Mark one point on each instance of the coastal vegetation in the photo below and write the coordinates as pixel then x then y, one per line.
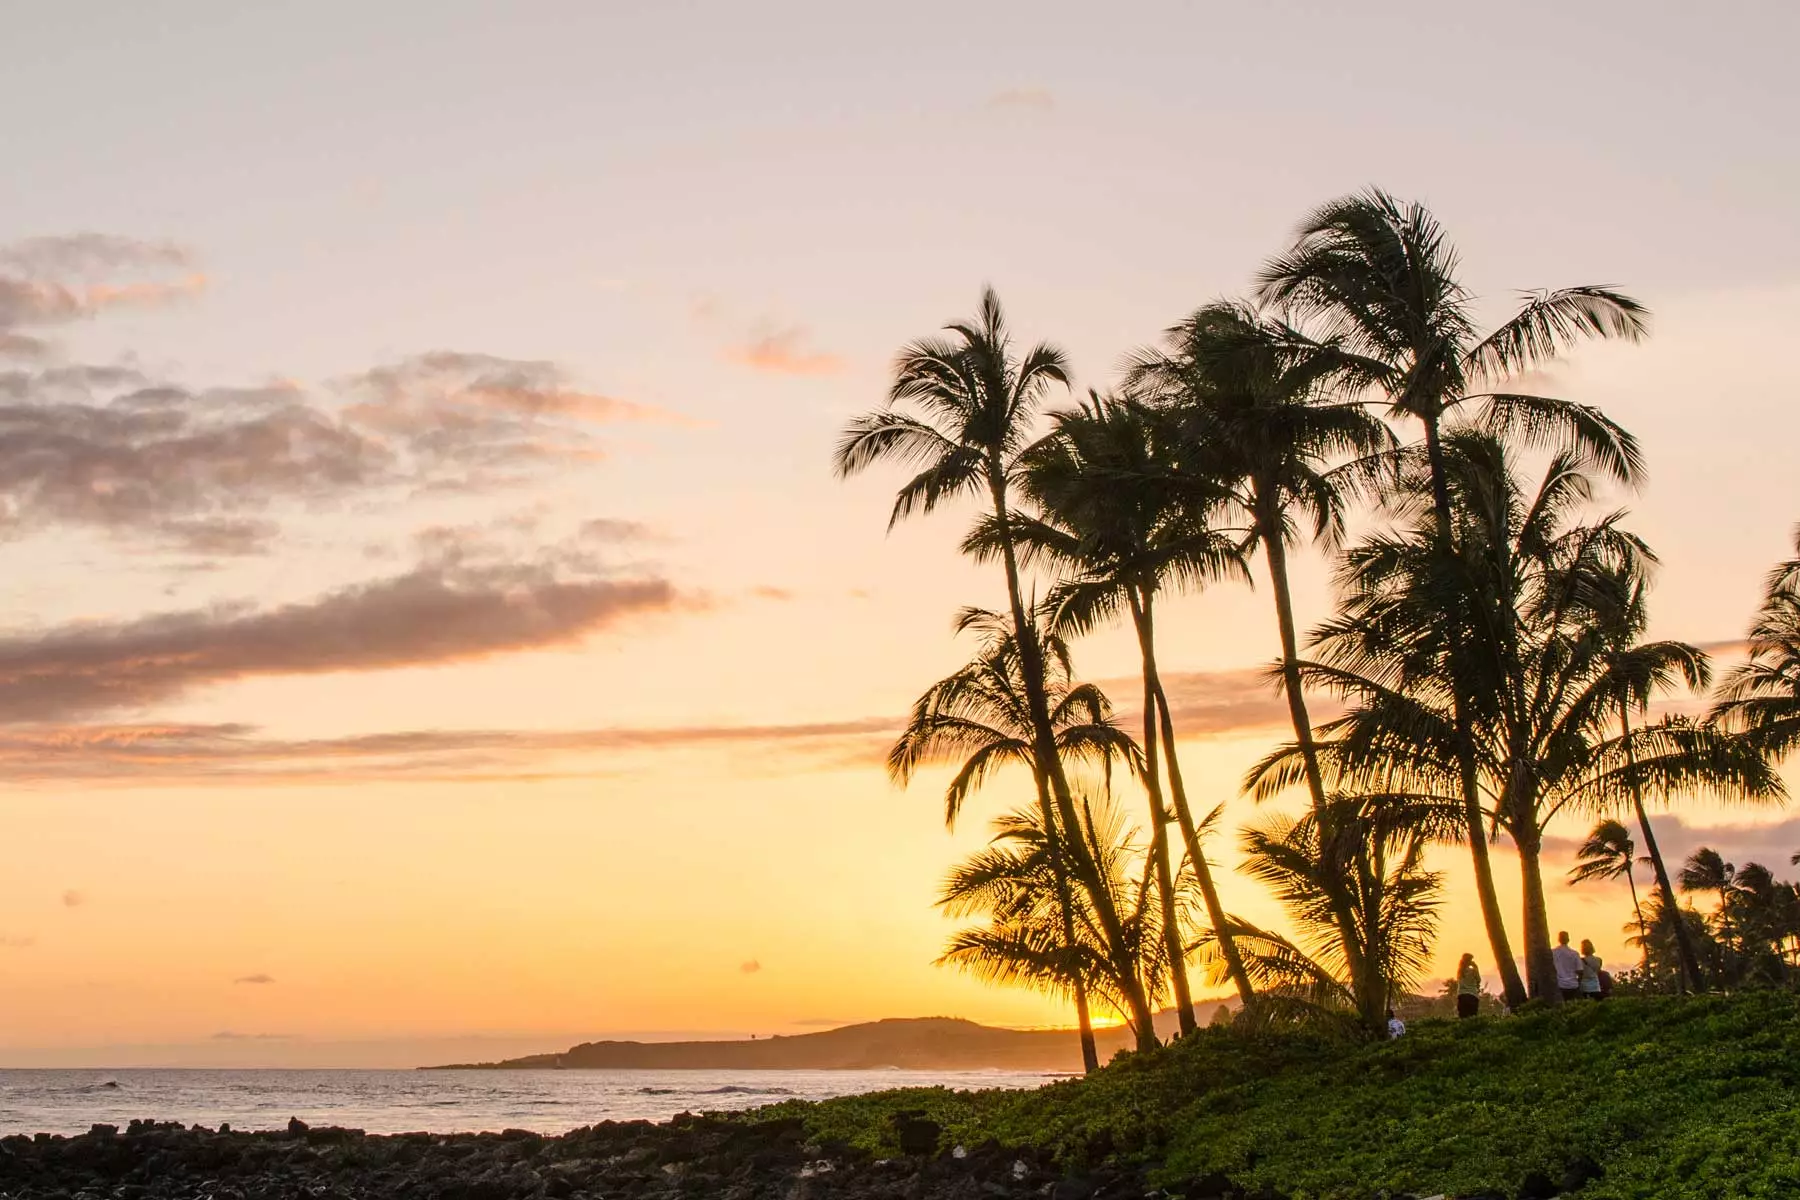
pixel 1668 1097
pixel 1486 656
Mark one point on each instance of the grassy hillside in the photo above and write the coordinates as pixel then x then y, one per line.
pixel 1664 1097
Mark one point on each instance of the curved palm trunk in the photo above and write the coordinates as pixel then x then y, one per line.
pixel 1090 1053
pixel 1275 554
pixel 1473 819
pixel 1084 1022
pixel 1540 966
pixel 1159 823
pixel 1031 662
pixel 1689 977
pixel 1638 912
pixel 1184 816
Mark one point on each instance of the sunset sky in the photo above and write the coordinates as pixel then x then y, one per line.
pixel 430 614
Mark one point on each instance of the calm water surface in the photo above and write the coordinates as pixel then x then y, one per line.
pixel 69 1101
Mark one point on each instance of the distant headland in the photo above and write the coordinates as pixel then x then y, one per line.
pixel 919 1043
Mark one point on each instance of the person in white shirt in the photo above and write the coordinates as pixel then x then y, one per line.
pixel 1396 1026
pixel 1568 967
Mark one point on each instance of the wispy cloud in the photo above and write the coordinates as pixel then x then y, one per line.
pixel 145 754
pixel 12 942
pixel 443 611
pixel 257 979
pixel 228 1035
pixel 108 447
pixel 50 281
pixel 467 419
pixel 231 755
pixel 73 898
pixel 207 470
pixel 783 351
pixel 750 967
pixel 1036 99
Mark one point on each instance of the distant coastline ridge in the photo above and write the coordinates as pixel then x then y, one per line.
pixel 905 1043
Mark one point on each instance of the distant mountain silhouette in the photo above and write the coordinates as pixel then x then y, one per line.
pixel 918 1043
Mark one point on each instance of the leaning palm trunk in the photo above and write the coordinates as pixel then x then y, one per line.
pixel 1084 1021
pixel 1689 977
pixel 1270 531
pixel 1473 818
pixel 1184 813
pixel 1049 762
pixel 1165 877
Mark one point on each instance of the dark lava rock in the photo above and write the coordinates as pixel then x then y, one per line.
pixel 701 1157
pixel 1580 1172
pixel 917 1135
pixel 1537 1186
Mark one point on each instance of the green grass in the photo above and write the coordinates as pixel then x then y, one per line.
pixel 1672 1098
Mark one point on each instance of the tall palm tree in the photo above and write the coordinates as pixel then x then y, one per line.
pixel 1382 276
pixel 1256 408
pixel 1026 940
pixel 979 717
pixel 1122 531
pixel 1512 624
pixel 1761 699
pixel 1608 853
pixel 963 409
pixel 1638 670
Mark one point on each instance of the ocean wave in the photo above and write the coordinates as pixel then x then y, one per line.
pixel 730 1089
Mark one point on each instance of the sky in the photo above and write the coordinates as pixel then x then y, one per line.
pixel 431 619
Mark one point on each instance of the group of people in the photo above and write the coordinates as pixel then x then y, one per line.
pixel 1578 977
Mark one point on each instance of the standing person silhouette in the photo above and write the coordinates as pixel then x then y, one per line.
pixel 1568 967
pixel 1590 971
pixel 1468 987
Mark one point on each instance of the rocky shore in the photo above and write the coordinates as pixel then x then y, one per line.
pixel 688 1158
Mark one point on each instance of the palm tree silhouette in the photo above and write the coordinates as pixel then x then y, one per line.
pixel 1523 601
pixel 1608 853
pixel 1123 531
pixel 1707 871
pixel 1393 898
pixel 1381 276
pixel 1638 670
pixel 963 409
pixel 1257 417
pixel 1028 937
pixel 1761 699
pixel 980 717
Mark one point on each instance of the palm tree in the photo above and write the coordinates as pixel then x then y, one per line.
pixel 979 717
pixel 1123 532
pixel 1513 624
pixel 1659 940
pixel 963 410
pixel 1026 938
pixel 1639 670
pixel 1381 276
pixel 1393 901
pixel 1761 699
pixel 1707 871
pixel 1608 853
pixel 1254 404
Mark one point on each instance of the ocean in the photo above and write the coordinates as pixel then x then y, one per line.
pixel 549 1102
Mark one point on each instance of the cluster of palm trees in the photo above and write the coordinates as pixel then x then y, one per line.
pixel 1486 651
pixel 1753 935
